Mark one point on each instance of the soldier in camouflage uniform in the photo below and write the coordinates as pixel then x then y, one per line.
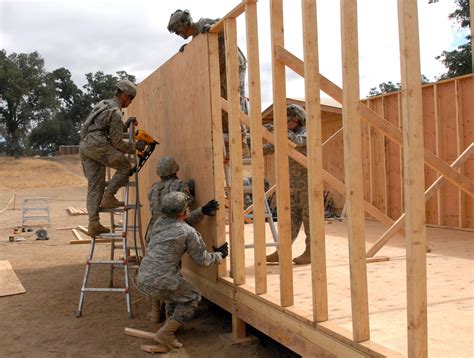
pixel 298 182
pixel 167 168
pixel 159 274
pixel 101 145
pixel 181 23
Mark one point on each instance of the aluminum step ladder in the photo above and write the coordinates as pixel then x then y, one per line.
pixel 248 189
pixel 35 209
pixel 118 239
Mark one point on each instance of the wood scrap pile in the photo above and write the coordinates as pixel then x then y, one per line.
pixel 76 211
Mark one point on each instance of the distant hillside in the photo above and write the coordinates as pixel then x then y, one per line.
pixel 29 173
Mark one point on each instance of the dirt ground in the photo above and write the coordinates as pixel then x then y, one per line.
pixel 42 322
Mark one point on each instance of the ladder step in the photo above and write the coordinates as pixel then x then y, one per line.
pixel 268 244
pixel 117 210
pixel 109 262
pixel 99 289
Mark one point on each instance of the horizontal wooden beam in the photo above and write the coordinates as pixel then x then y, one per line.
pixel 380 123
pixel 232 14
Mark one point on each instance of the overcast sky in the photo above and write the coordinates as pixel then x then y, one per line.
pixel 87 36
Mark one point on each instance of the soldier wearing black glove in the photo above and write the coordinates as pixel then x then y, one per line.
pixel 210 208
pixel 223 249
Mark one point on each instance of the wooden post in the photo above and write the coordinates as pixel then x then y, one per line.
pixel 218 142
pixel 414 179
pixel 315 162
pixel 257 151
pixel 460 146
pixel 353 171
pixel 281 156
pixel 471 12
pixel 235 149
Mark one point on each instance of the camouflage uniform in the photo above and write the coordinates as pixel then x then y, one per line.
pixel 101 145
pixel 158 191
pixel 159 274
pixel 298 184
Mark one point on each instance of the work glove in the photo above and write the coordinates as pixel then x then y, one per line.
pixel 223 249
pixel 210 208
pixel 181 49
pixel 140 145
pixel 131 120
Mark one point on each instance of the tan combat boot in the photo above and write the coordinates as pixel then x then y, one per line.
pixel 273 257
pixel 166 336
pixel 110 202
pixel 95 228
pixel 304 258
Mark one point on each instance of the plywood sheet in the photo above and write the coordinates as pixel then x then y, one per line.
pixel 173 104
pixel 9 282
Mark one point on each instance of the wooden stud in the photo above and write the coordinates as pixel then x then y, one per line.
pixel 315 162
pixel 235 149
pixel 218 142
pixel 257 151
pixel 281 156
pixel 387 235
pixel 460 146
pixel 238 328
pixel 375 119
pixel 414 181
pixel 439 149
pixel 353 171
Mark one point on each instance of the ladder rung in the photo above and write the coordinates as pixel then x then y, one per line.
pixel 99 289
pixel 117 210
pixel 268 244
pixel 108 262
pixel 111 235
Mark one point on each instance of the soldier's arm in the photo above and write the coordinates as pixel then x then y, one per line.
pixel 116 132
pixel 196 249
pixel 204 25
pixel 298 138
pixel 195 217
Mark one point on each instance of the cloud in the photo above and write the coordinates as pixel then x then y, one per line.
pixel 88 36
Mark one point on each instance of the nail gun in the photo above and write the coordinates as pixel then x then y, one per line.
pixel 141 135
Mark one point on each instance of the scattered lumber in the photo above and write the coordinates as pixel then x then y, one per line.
pixel 151 348
pixel 81 240
pixel 9 282
pixel 76 211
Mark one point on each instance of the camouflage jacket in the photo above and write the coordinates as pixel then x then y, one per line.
pixel 163 187
pixel 203 25
pixel 170 239
pixel 298 173
pixel 104 125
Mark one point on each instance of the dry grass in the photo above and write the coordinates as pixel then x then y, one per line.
pixel 29 173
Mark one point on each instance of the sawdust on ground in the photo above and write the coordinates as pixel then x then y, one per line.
pixel 42 322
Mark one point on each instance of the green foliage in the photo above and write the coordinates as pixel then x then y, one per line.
pixel 458 61
pixel 25 97
pixel 388 87
pixel 39 111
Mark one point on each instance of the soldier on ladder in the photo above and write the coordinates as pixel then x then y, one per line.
pixel 101 145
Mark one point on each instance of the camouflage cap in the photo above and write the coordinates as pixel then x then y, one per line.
pixel 179 21
pixel 174 203
pixel 166 166
pixel 127 87
pixel 293 110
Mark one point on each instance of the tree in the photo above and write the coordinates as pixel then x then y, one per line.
pixel 100 85
pixel 388 87
pixel 25 98
pixel 458 61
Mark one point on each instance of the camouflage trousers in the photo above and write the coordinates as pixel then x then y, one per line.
pixel 299 213
pixel 181 303
pixel 94 160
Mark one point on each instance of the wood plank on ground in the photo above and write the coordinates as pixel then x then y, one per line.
pixel 9 282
